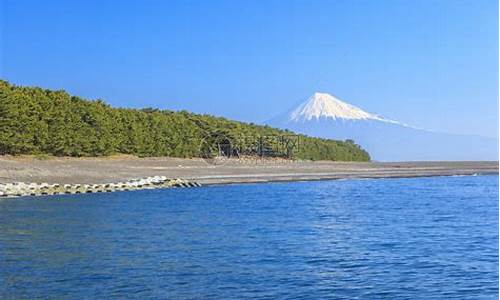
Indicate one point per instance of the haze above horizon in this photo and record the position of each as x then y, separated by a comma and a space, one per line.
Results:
431, 64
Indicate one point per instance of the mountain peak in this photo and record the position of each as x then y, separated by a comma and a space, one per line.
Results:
323, 105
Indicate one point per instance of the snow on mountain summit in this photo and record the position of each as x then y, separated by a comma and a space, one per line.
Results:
322, 105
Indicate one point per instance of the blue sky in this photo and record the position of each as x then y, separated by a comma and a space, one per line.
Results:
431, 64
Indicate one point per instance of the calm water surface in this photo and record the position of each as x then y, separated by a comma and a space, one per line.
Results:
389, 238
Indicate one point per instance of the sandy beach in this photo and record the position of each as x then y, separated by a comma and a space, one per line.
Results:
67, 170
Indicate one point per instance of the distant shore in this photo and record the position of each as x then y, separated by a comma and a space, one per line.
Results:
68, 170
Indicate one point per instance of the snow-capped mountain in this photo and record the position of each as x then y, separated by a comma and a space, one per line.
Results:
322, 105
324, 115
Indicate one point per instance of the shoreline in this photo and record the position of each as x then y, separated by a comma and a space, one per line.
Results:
96, 172
221, 182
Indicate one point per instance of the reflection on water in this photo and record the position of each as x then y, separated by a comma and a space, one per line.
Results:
390, 238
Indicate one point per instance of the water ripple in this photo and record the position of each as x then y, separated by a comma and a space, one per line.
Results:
421, 238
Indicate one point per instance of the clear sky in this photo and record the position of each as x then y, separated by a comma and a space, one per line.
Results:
431, 64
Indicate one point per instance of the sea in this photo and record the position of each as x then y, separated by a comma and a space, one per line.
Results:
412, 238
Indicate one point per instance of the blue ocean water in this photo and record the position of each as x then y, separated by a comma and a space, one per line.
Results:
418, 238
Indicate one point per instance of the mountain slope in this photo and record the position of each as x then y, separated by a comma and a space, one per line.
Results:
325, 116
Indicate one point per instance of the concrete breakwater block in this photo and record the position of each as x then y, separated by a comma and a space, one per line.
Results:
18, 189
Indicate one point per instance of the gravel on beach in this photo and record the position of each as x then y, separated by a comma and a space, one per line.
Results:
69, 170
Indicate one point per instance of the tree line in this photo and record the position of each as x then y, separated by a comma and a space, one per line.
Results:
41, 121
